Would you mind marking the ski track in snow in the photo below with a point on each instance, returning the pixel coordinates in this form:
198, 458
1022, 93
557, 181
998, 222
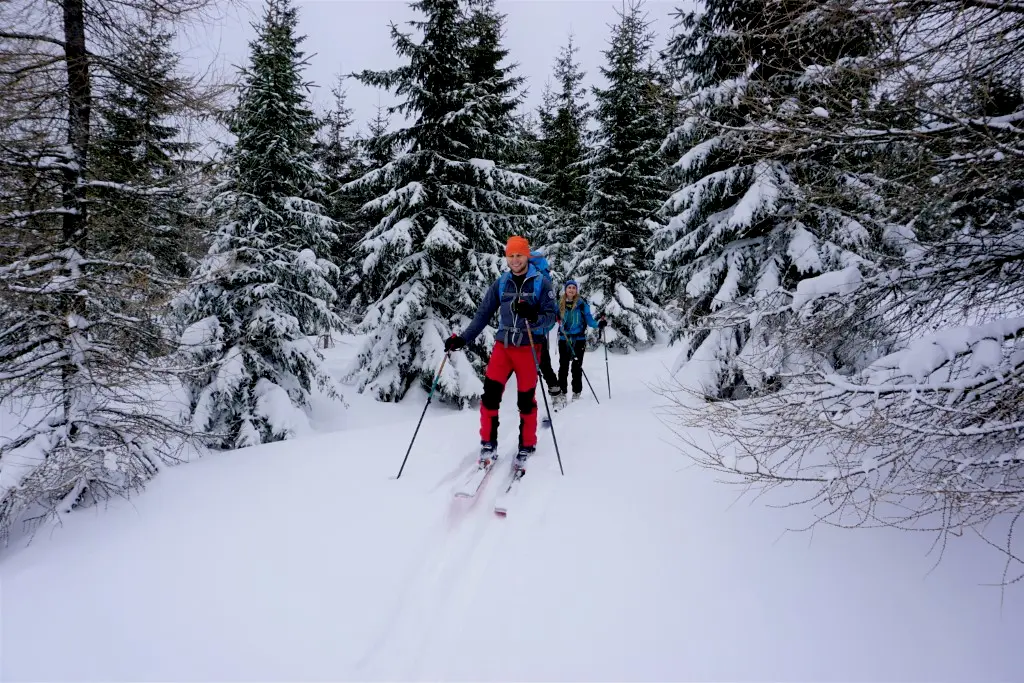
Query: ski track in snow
423, 634
441, 586
469, 576
419, 608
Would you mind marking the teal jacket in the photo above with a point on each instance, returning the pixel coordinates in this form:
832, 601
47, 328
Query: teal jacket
577, 318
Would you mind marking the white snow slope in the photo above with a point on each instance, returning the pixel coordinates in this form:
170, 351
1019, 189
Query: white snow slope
307, 560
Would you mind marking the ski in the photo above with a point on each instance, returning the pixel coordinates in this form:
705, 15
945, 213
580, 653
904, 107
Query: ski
515, 476
473, 482
475, 479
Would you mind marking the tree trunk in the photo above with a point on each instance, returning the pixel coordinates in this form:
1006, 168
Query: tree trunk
78, 122
75, 225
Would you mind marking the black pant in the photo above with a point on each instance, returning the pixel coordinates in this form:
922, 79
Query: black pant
545, 364
575, 354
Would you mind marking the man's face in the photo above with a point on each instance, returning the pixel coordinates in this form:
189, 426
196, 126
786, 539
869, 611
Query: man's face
517, 263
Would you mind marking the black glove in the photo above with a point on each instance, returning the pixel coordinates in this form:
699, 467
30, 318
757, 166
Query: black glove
453, 343
525, 309
601, 323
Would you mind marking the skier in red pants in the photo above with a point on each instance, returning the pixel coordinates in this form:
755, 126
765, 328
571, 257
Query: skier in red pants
523, 299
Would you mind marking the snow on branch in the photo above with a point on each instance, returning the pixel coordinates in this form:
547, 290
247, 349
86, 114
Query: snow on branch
24, 215
838, 282
130, 189
979, 348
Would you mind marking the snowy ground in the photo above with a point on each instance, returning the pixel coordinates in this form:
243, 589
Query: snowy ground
307, 561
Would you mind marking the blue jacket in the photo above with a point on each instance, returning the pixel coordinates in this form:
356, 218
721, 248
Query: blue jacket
512, 328
574, 327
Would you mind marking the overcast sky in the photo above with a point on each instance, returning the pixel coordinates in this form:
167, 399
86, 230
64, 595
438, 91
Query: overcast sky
350, 35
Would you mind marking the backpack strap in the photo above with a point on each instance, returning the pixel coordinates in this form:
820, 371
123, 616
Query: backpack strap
538, 282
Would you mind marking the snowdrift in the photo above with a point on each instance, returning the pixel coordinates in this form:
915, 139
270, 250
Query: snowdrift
307, 560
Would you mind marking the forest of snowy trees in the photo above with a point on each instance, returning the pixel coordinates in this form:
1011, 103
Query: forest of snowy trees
819, 203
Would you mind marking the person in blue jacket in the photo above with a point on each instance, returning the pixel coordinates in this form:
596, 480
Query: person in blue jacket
574, 318
523, 300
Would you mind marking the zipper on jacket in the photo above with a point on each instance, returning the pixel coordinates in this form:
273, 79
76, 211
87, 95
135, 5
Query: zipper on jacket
519, 294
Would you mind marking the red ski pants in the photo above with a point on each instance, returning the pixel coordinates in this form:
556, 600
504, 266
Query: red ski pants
506, 360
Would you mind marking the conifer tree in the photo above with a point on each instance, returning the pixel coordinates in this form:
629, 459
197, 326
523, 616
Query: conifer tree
378, 149
562, 151
491, 84
75, 368
265, 286
337, 153
563, 125
375, 150
625, 190
904, 164
137, 146
525, 157
745, 226
443, 210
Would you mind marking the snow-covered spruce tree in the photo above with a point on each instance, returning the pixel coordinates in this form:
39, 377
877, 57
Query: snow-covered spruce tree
143, 209
337, 155
507, 139
265, 285
442, 211
492, 87
525, 159
525, 156
625, 190
752, 217
377, 149
73, 367
923, 433
374, 151
561, 147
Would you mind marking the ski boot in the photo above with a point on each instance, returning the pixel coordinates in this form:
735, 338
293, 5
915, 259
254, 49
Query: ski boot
520, 465
488, 453
558, 401
576, 395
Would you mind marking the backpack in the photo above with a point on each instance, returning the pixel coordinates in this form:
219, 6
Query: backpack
540, 262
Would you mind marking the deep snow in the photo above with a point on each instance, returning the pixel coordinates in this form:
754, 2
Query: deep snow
307, 560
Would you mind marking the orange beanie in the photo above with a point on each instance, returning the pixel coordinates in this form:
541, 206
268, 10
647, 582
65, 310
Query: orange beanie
517, 245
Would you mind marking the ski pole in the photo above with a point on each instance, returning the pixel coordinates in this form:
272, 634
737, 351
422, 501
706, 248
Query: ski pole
433, 385
606, 372
572, 354
540, 381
